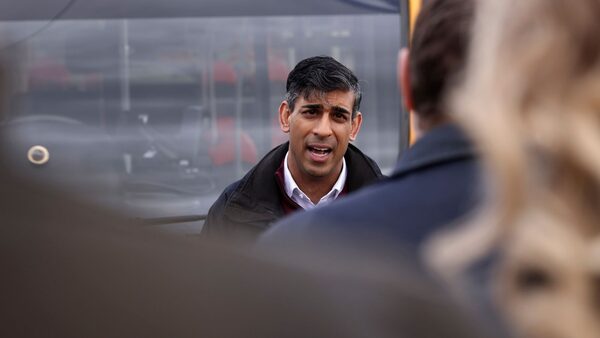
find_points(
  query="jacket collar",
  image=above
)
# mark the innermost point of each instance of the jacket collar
(258, 196)
(445, 143)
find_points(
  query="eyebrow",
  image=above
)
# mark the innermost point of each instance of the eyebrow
(341, 110)
(313, 106)
(336, 109)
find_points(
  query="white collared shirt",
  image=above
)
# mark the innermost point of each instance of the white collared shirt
(298, 196)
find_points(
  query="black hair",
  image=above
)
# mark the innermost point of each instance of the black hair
(438, 52)
(321, 74)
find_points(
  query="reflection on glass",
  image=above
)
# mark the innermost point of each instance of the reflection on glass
(182, 107)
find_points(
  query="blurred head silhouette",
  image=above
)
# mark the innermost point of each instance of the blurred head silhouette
(435, 61)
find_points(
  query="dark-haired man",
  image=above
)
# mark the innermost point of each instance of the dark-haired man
(321, 115)
(435, 183)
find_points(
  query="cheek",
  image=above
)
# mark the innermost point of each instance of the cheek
(300, 128)
(342, 133)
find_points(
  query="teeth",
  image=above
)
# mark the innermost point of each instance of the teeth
(320, 150)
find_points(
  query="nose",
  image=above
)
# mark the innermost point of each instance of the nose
(322, 126)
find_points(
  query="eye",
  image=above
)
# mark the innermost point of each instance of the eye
(340, 116)
(310, 112)
(532, 279)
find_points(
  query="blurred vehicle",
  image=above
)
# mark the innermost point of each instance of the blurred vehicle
(153, 107)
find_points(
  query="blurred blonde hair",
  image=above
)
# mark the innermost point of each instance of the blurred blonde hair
(531, 101)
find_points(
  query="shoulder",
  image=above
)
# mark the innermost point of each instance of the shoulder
(257, 184)
(356, 157)
(362, 170)
(228, 191)
(296, 227)
(255, 177)
(224, 196)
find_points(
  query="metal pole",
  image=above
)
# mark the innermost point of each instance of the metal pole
(124, 69)
(404, 138)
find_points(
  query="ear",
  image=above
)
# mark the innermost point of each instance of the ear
(356, 123)
(284, 116)
(404, 78)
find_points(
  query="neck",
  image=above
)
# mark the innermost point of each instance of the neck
(424, 124)
(315, 187)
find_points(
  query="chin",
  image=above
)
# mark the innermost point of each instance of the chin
(316, 171)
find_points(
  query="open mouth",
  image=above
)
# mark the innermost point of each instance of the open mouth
(321, 151)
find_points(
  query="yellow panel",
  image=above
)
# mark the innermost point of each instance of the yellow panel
(414, 6)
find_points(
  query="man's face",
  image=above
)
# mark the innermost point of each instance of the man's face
(320, 128)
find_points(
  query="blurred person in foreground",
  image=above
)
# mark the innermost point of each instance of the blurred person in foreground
(318, 164)
(71, 269)
(435, 182)
(535, 72)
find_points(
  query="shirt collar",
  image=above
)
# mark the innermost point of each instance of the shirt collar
(297, 195)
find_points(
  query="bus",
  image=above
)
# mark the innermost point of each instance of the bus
(152, 107)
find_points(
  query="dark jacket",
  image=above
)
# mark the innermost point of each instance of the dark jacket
(434, 184)
(250, 205)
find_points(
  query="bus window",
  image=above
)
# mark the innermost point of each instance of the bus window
(181, 107)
